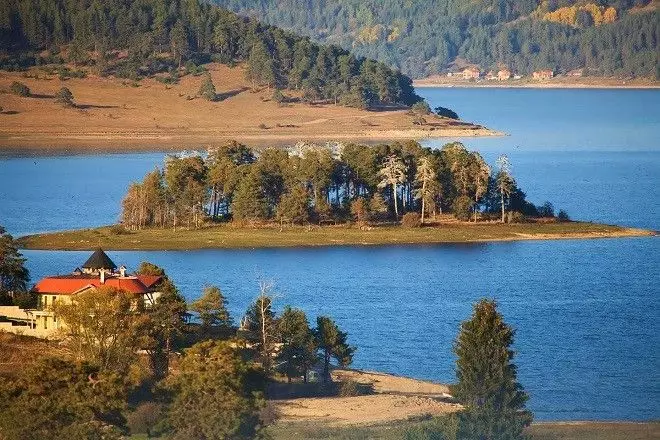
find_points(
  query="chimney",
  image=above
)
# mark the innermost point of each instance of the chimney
(102, 276)
(122, 271)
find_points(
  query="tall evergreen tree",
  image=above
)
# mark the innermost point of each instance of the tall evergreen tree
(14, 276)
(207, 88)
(488, 388)
(298, 351)
(249, 201)
(212, 309)
(333, 344)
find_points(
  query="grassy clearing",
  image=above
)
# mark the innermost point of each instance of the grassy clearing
(228, 236)
(418, 429)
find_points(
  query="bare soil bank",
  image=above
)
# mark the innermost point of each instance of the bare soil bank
(121, 115)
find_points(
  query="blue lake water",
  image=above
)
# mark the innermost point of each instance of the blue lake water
(586, 312)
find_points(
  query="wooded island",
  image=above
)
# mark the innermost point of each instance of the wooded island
(334, 194)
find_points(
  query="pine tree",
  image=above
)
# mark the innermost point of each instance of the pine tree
(249, 201)
(261, 69)
(260, 322)
(294, 206)
(298, 352)
(424, 179)
(493, 400)
(332, 343)
(504, 180)
(212, 309)
(207, 89)
(64, 97)
(393, 173)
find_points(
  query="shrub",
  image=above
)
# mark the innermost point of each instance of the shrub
(207, 89)
(546, 210)
(278, 96)
(563, 216)
(19, 89)
(515, 217)
(352, 388)
(421, 108)
(463, 208)
(144, 418)
(119, 230)
(64, 97)
(411, 220)
(445, 112)
(360, 209)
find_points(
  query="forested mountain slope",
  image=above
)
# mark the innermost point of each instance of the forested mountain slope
(423, 37)
(138, 38)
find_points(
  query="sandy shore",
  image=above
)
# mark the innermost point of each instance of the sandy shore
(395, 398)
(122, 115)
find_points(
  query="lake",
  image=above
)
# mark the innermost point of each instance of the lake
(586, 312)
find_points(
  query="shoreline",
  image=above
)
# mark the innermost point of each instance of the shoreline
(528, 83)
(55, 144)
(236, 238)
(114, 115)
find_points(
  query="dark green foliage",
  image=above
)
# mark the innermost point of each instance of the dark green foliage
(316, 184)
(166, 318)
(278, 96)
(445, 112)
(333, 344)
(14, 276)
(194, 32)
(294, 206)
(249, 202)
(546, 210)
(421, 108)
(207, 89)
(217, 394)
(422, 38)
(463, 207)
(20, 89)
(493, 400)
(55, 398)
(64, 97)
(298, 351)
(212, 309)
(261, 326)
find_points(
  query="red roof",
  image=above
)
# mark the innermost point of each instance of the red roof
(69, 284)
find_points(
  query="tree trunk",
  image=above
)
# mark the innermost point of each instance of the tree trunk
(502, 198)
(396, 205)
(423, 199)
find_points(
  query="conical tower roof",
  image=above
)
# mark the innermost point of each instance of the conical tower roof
(99, 260)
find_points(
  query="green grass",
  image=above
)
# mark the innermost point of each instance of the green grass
(419, 430)
(415, 430)
(228, 236)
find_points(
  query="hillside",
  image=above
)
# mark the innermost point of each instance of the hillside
(606, 37)
(135, 39)
(119, 115)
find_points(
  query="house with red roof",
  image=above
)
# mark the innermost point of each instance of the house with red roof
(98, 271)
